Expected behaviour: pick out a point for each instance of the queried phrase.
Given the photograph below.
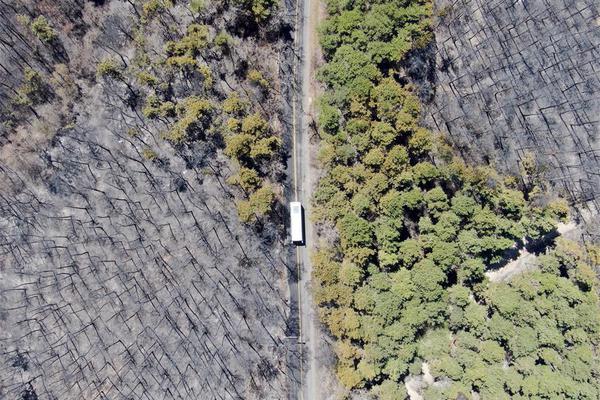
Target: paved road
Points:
(303, 183)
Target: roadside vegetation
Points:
(410, 231)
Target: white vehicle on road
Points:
(297, 222)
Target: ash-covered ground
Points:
(124, 281)
(124, 276)
(520, 78)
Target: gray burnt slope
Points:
(519, 77)
(124, 276)
(134, 282)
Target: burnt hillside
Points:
(125, 272)
(518, 81)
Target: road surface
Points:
(303, 178)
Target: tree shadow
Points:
(534, 247)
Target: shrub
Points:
(234, 105)
(257, 78)
(109, 68)
(265, 148)
(191, 44)
(238, 146)
(43, 30)
(258, 205)
(223, 40)
(246, 178)
(255, 125)
(261, 9)
(149, 154)
(193, 112)
(146, 78)
(33, 90)
(197, 5)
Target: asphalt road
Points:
(304, 180)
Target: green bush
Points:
(258, 78)
(238, 146)
(258, 205)
(33, 90)
(196, 39)
(255, 125)
(152, 8)
(234, 105)
(149, 154)
(223, 40)
(109, 68)
(197, 5)
(193, 114)
(43, 30)
(246, 178)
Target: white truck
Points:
(297, 222)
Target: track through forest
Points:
(303, 179)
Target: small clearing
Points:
(526, 261)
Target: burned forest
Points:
(310, 199)
(517, 83)
(141, 219)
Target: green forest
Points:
(403, 287)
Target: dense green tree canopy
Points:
(405, 285)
